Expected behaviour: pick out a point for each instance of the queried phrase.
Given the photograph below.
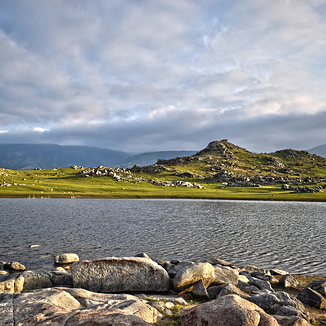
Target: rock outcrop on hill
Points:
(237, 167)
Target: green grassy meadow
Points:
(286, 166)
(68, 183)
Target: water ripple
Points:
(285, 235)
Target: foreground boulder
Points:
(289, 281)
(190, 274)
(118, 275)
(125, 303)
(64, 306)
(280, 303)
(291, 321)
(312, 298)
(91, 318)
(231, 289)
(319, 286)
(31, 308)
(229, 310)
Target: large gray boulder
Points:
(118, 275)
(189, 275)
(67, 306)
(35, 307)
(92, 318)
(280, 303)
(289, 281)
(231, 289)
(214, 291)
(230, 310)
(124, 303)
(225, 275)
(261, 284)
(312, 298)
(291, 321)
(199, 291)
(319, 286)
(40, 280)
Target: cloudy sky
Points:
(151, 75)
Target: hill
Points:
(152, 157)
(47, 156)
(318, 150)
(222, 161)
(221, 170)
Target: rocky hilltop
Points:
(222, 161)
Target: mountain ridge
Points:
(47, 156)
(318, 150)
(31, 156)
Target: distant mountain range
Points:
(318, 150)
(47, 156)
(145, 159)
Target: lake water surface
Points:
(285, 235)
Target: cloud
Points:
(146, 75)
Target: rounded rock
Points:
(190, 274)
(66, 259)
(15, 266)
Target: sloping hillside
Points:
(222, 161)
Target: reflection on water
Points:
(286, 235)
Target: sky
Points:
(154, 75)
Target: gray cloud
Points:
(140, 76)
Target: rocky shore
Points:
(140, 291)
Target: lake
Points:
(284, 235)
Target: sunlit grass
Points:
(68, 183)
